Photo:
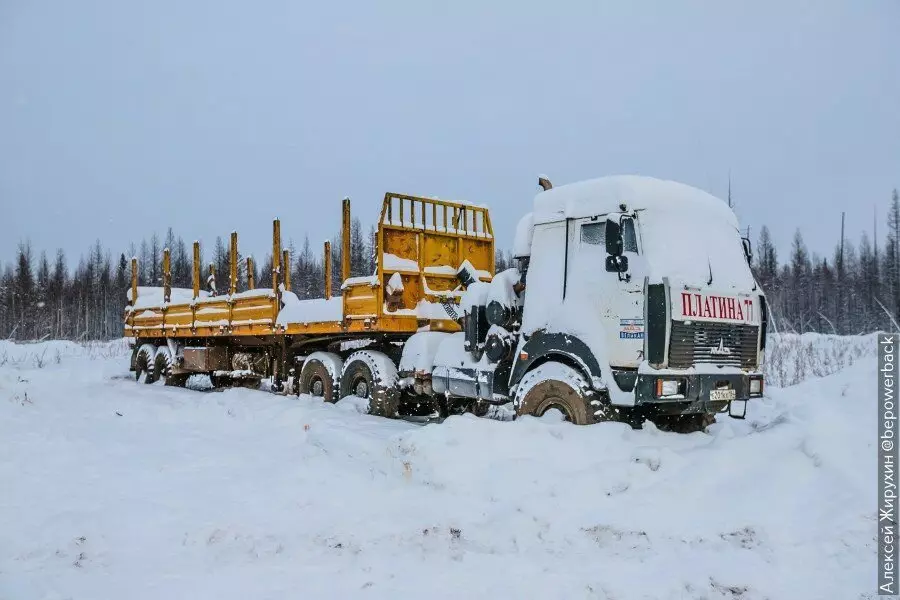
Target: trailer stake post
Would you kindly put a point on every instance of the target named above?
(134, 279)
(196, 272)
(286, 265)
(167, 275)
(233, 262)
(345, 241)
(276, 254)
(327, 270)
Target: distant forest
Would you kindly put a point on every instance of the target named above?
(856, 290)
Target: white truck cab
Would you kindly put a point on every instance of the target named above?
(632, 295)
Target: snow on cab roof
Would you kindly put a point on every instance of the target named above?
(605, 194)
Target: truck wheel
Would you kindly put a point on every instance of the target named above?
(372, 375)
(556, 385)
(145, 363)
(319, 375)
(162, 364)
(480, 408)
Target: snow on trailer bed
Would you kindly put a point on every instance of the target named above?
(121, 491)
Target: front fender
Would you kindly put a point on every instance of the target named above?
(555, 346)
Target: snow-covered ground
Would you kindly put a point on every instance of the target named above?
(110, 489)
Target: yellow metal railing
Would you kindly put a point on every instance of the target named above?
(442, 216)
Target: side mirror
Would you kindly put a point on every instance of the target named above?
(614, 243)
(617, 264)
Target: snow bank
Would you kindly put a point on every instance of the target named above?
(37, 355)
(145, 491)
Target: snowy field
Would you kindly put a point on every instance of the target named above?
(112, 489)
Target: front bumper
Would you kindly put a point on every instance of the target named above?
(694, 396)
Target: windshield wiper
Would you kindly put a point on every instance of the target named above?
(710, 271)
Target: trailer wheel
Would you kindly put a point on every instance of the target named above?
(162, 364)
(319, 375)
(145, 363)
(372, 375)
(554, 385)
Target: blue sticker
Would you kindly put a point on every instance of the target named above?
(631, 329)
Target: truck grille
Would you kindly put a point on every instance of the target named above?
(716, 343)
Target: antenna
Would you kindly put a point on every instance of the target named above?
(730, 204)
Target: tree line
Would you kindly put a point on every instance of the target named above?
(42, 298)
(855, 290)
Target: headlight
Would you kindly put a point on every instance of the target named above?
(756, 386)
(669, 387)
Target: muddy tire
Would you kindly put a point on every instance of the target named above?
(162, 364)
(317, 377)
(554, 385)
(480, 408)
(371, 375)
(145, 363)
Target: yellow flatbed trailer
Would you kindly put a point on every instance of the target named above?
(422, 243)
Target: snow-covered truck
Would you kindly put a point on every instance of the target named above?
(631, 298)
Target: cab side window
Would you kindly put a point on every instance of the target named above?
(629, 237)
(594, 234)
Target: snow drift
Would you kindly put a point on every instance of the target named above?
(116, 490)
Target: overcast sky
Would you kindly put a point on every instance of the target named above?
(119, 118)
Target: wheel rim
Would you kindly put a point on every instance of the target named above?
(361, 389)
(317, 388)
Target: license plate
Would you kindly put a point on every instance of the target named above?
(722, 394)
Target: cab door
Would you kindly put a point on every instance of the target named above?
(613, 301)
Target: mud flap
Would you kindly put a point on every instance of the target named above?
(733, 411)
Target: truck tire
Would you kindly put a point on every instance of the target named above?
(162, 364)
(145, 363)
(373, 376)
(319, 375)
(556, 385)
